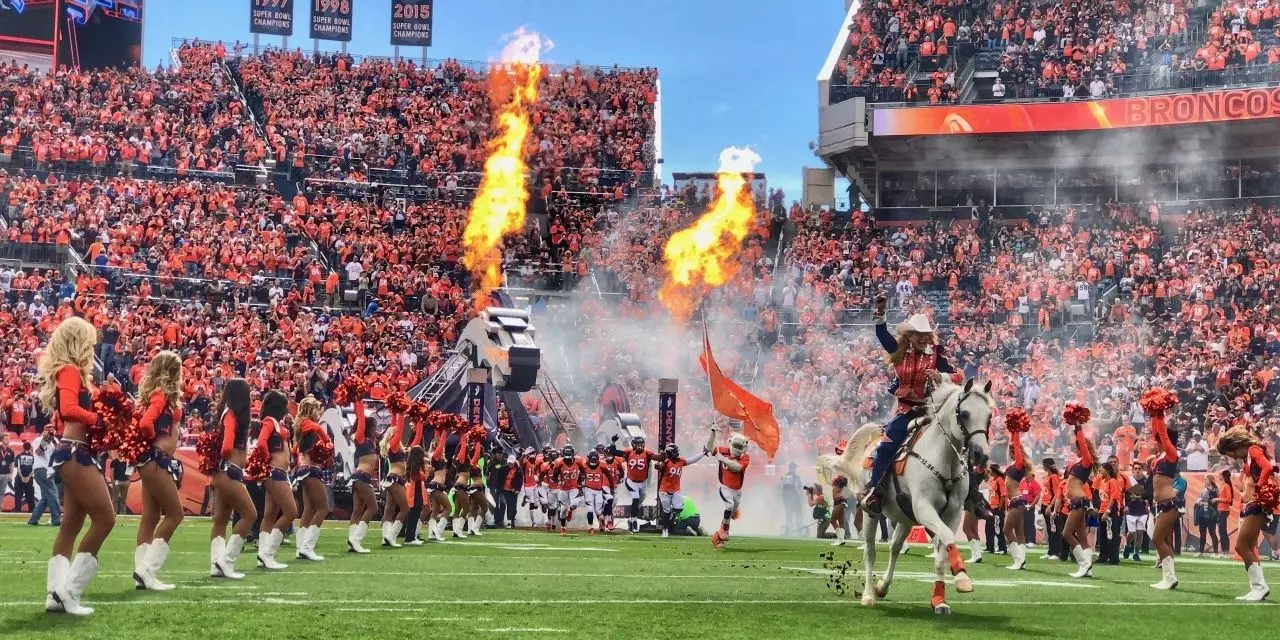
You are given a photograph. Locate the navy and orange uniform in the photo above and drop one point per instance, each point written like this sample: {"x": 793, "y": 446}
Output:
{"x": 597, "y": 478}
{"x": 365, "y": 445}
{"x": 1166, "y": 462}
{"x": 157, "y": 422}
{"x": 638, "y": 463}
{"x": 274, "y": 438}
{"x": 235, "y": 436}
{"x": 1082, "y": 469}
{"x": 570, "y": 472}
{"x": 75, "y": 404}
{"x": 672, "y": 473}
{"x": 472, "y": 450}
{"x": 729, "y": 478}
{"x": 395, "y": 448}
{"x": 617, "y": 469}
{"x": 531, "y": 468}
{"x": 549, "y": 472}
{"x": 310, "y": 435}
{"x": 1261, "y": 470}
{"x": 1014, "y": 473}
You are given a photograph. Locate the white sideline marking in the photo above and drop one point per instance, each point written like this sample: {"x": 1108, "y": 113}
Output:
{"x": 727, "y": 602}
{"x": 518, "y": 546}
{"x": 524, "y": 630}
{"x": 487, "y": 574}
{"x": 227, "y": 587}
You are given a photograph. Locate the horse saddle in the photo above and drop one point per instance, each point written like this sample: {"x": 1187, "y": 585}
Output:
{"x": 914, "y": 429}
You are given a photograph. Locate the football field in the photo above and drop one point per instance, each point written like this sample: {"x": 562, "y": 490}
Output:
{"x": 531, "y": 584}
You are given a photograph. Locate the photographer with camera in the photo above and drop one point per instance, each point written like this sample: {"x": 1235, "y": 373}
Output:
{"x": 821, "y": 510}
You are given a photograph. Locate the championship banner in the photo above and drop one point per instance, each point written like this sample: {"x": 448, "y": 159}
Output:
{"x": 1084, "y": 115}
{"x": 667, "y": 389}
{"x": 476, "y": 379}
{"x": 331, "y": 20}
{"x": 411, "y": 22}
{"x": 271, "y": 17}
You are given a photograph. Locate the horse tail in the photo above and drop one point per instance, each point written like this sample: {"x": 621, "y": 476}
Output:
{"x": 849, "y": 463}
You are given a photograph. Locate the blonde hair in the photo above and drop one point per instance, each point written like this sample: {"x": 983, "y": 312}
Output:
{"x": 309, "y": 408}
{"x": 903, "y": 338}
{"x": 1236, "y": 438}
{"x": 164, "y": 374}
{"x": 70, "y": 345}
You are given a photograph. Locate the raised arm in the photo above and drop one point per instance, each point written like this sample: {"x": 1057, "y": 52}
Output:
{"x": 1162, "y": 437}
{"x": 362, "y": 423}
{"x": 1082, "y": 448}
{"x": 1019, "y": 457}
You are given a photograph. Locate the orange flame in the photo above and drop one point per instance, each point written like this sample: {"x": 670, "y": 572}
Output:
{"x": 704, "y": 255}
{"x": 499, "y": 206}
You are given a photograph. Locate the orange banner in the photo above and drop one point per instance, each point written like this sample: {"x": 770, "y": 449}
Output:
{"x": 1083, "y": 115}
{"x": 732, "y": 401}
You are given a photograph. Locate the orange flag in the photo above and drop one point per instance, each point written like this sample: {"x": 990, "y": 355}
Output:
{"x": 732, "y": 401}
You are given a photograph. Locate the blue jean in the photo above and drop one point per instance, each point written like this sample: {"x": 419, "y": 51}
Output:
{"x": 895, "y": 432}
{"x": 49, "y": 498}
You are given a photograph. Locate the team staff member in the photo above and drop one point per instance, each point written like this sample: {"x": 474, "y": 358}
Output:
{"x": 7, "y": 459}
{"x": 1109, "y": 486}
{"x": 1050, "y": 506}
{"x": 996, "y": 541}
{"x": 1226, "y": 501}
{"x": 1137, "y": 512}
{"x": 24, "y": 480}
{"x": 1263, "y": 500}
{"x": 161, "y": 507}
{"x": 65, "y": 369}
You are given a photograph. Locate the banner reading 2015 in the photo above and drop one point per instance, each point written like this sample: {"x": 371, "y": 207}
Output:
{"x": 411, "y": 22}
{"x": 331, "y": 20}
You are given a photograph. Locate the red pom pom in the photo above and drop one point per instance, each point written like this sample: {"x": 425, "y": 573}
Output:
{"x": 398, "y": 403}
{"x": 1017, "y": 420}
{"x": 445, "y": 421}
{"x": 1156, "y": 400}
{"x": 353, "y": 388}
{"x": 420, "y": 411}
{"x": 209, "y": 450}
{"x": 322, "y": 454}
{"x": 114, "y": 410}
{"x": 1075, "y": 414}
{"x": 1267, "y": 494}
{"x": 258, "y": 466}
{"x": 133, "y": 443}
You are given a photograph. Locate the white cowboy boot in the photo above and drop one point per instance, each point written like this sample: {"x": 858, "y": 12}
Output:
{"x": 268, "y": 544}
{"x": 140, "y": 571}
{"x": 389, "y": 532}
{"x": 157, "y": 555}
{"x": 59, "y": 567}
{"x": 83, "y": 568}
{"x": 1168, "y": 579}
{"x": 311, "y": 543}
{"x": 458, "y": 530}
{"x": 839, "y": 538}
{"x": 975, "y": 552}
{"x": 1258, "y": 590}
{"x": 474, "y": 523}
{"x": 355, "y": 535}
{"x": 1019, "y": 553}
{"x": 230, "y": 554}
{"x": 217, "y": 547}
{"x": 1084, "y": 562}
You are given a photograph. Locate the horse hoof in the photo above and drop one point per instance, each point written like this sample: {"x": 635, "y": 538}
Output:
{"x": 943, "y": 609}
{"x": 963, "y": 583}
{"x": 882, "y": 589}
{"x": 868, "y": 601}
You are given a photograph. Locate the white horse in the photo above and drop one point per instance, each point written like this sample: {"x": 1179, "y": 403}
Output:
{"x": 933, "y": 484}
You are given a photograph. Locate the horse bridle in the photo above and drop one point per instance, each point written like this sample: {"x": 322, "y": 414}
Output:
{"x": 961, "y": 451}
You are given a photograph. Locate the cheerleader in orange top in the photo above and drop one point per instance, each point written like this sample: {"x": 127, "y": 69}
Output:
{"x": 159, "y": 471}
{"x": 314, "y": 453}
{"x": 1017, "y": 422}
{"x": 225, "y": 461}
{"x": 397, "y": 503}
{"x": 363, "y": 501}
{"x": 1164, "y": 468}
{"x": 417, "y": 471}
{"x": 466, "y": 460}
{"x": 280, "y": 508}
{"x": 1075, "y": 534}
{"x": 439, "y": 484}
{"x": 65, "y": 393}
{"x": 1263, "y": 499}
{"x": 477, "y": 502}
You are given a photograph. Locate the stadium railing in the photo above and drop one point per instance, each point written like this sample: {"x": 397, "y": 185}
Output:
{"x": 1145, "y": 82}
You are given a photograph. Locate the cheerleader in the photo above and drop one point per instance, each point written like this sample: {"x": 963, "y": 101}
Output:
{"x": 1239, "y": 444}
{"x": 1014, "y": 522}
{"x": 437, "y": 487}
{"x": 1074, "y": 533}
{"x": 397, "y": 504}
{"x": 975, "y": 511}
{"x": 314, "y": 452}
{"x": 363, "y": 501}
{"x": 416, "y": 474}
{"x": 477, "y": 502}
{"x": 159, "y": 471}
{"x": 458, "y": 447}
{"x": 66, "y": 394}
{"x": 280, "y": 508}
{"x": 1164, "y": 468}
{"x": 227, "y": 459}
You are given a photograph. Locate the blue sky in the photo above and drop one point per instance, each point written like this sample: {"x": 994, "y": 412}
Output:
{"x": 734, "y": 72}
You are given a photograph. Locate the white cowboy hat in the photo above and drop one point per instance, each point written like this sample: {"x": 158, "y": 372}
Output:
{"x": 917, "y": 323}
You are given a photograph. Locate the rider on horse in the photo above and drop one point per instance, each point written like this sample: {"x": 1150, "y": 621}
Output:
{"x": 916, "y": 359}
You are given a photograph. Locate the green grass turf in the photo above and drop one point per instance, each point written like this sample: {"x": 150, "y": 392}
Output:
{"x": 530, "y": 584}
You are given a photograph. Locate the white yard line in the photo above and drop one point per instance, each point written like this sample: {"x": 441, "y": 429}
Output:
{"x": 524, "y": 630}
{"x": 402, "y": 604}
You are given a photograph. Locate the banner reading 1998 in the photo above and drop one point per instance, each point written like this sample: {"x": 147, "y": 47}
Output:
{"x": 331, "y": 20}
{"x": 411, "y": 22}
{"x": 271, "y": 17}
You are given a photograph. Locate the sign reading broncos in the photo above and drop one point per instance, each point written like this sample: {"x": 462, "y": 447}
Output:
{"x": 96, "y": 34}
{"x": 1087, "y": 115}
